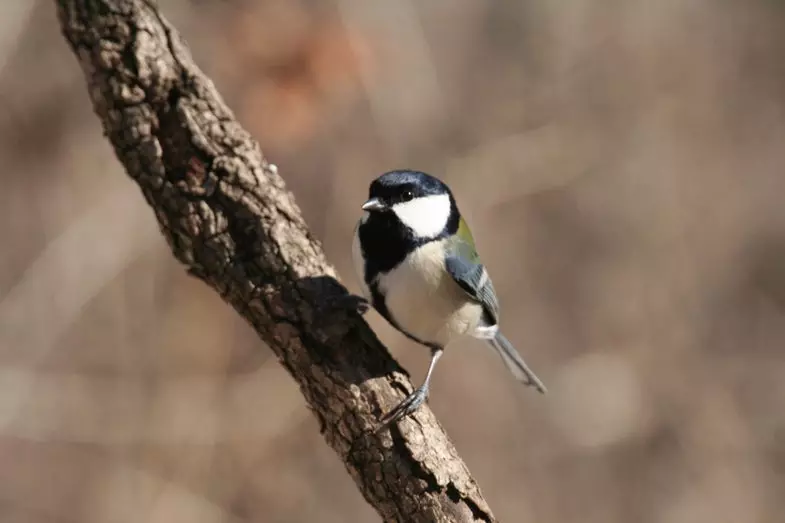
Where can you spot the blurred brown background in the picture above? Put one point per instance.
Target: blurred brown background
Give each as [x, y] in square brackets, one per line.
[620, 162]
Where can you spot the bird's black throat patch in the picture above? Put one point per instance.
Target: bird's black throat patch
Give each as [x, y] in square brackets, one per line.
[386, 242]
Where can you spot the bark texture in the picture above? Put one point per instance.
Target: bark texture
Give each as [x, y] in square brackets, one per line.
[228, 217]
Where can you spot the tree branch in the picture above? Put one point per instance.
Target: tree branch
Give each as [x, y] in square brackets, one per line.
[228, 217]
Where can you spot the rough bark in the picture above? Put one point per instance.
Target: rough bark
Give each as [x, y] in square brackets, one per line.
[228, 217]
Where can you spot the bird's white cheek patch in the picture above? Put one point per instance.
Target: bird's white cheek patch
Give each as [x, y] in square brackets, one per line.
[426, 216]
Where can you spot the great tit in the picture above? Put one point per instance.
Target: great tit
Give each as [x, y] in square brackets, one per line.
[417, 265]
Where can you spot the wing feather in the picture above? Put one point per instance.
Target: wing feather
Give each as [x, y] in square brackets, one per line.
[463, 264]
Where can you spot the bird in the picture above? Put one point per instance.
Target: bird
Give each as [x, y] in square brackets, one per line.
[418, 266]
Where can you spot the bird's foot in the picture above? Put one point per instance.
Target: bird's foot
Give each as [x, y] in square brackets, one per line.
[409, 405]
[350, 303]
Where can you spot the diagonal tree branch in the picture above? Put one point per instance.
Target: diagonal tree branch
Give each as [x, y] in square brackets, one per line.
[228, 217]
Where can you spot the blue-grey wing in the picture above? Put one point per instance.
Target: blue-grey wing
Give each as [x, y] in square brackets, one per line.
[472, 277]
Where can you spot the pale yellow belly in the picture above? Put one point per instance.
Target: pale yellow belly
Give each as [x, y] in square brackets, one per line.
[426, 302]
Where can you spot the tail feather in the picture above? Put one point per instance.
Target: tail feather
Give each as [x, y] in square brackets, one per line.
[515, 362]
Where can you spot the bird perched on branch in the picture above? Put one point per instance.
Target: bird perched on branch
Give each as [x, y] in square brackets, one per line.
[418, 266]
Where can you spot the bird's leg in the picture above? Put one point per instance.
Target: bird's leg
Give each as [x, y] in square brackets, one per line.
[413, 401]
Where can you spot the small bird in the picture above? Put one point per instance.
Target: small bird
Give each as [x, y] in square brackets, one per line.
[418, 266]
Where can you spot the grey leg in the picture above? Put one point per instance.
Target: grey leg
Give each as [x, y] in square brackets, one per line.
[413, 401]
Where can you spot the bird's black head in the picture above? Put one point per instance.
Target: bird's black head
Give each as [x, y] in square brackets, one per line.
[405, 209]
[396, 187]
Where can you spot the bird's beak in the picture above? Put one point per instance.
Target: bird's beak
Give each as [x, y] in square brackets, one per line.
[374, 204]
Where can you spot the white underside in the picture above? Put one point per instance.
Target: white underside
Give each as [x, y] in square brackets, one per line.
[424, 299]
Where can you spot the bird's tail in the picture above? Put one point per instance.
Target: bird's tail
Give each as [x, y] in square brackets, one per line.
[515, 363]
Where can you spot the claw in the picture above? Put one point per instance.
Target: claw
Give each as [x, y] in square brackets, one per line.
[352, 303]
[408, 406]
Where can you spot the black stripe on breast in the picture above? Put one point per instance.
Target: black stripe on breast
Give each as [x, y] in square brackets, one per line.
[385, 241]
[377, 300]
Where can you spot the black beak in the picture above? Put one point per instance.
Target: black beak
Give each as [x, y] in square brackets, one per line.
[374, 204]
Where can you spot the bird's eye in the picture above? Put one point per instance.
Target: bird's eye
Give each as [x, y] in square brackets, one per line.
[407, 196]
